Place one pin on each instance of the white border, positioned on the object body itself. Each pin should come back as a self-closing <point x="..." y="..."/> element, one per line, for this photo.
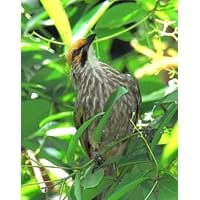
<point x="10" y="100"/>
<point x="189" y="100"/>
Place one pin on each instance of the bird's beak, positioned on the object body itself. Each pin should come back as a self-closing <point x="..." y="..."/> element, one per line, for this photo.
<point x="89" y="41"/>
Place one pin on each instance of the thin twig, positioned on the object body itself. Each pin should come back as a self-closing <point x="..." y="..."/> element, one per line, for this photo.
<point x="53" y="185"/>
<point x="147" y="145"/>
<point x="52" y="40"/>
<point x="46" y="194"/>
<point x="152" y="189"/>
<point x="61" y="190"/>
<point x="133" y="163"/>
<point x="84" y="166"/>
<point x="41" y="145"/>
<point x="117" y="142"/>
<point x="46" y="166"/>
<point x="56" y="180"/>
<point x="37" y="183"/>
<point x="123" y="31"/>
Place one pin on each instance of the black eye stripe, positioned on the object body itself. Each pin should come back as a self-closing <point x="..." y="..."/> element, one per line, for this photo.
<point x="83" y="58"/>
<point x="83" y="55"/>
<point x="76" y="53"/>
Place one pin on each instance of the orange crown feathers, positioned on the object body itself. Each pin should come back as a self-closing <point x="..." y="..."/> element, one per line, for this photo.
<point x="78" y="44"/>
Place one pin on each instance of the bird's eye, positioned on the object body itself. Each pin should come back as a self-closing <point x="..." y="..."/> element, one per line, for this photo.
<point x="76" y="53"/>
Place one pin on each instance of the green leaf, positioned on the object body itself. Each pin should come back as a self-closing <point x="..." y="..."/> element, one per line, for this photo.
<point x="93" y="179"/>
<point x="35" y="21"/>
<point x="33" y="111"/>
<point x="171" y="149"/>
<point x="170" y="15"/>
<point x="168" y="188"/>
<point x="29" y="86"/>
<point x="30" y="191"/>
<point x="87" y="22"/>
<point x="121" y="14"/>
<point x="75" y="139"/>
<point x="154" y="81"/>
<point x="161" y="94"/>
<point x="49" y="78"/>
<point x="113" y="159"/>
<point x="90" y="193"/>
<point x="88" y="170"/>
<point x="54" y="117"/>
<point x="154" y="96"/>
<point x="126" y="188"/>
<point x="104" y="32"/>
<point x="28" y="46"/>
<point x="84" y="19"/>
<point x="77" y="187"/>
<point x="108" y="108"/>
<point x="164" y="122"/>
<point x="172" y="97"/>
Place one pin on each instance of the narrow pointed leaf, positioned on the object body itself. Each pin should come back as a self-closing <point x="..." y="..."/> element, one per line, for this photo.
<point x="87" y="22"/>
<point x="77" y="187"/>
<point x="54" y="117"/>
<point x="75" y="139"/>
<point x="164" y="121"/>
<point x="171" y="149"/>
<point x="126" y="188"/>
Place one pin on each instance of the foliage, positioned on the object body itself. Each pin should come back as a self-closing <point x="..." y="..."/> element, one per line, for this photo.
<point x="136" y="37"/>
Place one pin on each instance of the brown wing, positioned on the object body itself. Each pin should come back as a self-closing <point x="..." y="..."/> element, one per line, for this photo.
<point x="80" y="117"/>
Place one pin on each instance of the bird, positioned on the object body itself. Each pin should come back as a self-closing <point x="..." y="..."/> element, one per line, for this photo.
<point x="94" y="82"/>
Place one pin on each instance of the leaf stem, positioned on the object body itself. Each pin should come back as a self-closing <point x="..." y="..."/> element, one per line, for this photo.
<point x="52" y="40"/>
<point x="117" y="142"/>
<point x="41" y="145"/>
<point x="46" y="166"/>
<point x="56" y="180"/>
<point x="152" y="189"/>
<point x="123" y="31"/>
<point x="147" y="145"/>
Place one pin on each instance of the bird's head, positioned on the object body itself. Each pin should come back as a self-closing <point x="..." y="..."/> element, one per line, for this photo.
<point x="78" y="53"/>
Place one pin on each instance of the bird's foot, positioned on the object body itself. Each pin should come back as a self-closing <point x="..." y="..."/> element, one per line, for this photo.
<point x="98" y="159"/>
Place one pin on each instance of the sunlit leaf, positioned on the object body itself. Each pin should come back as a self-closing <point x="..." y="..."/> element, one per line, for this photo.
<point x="172" y="109"/>
<point x="171" y="149"/>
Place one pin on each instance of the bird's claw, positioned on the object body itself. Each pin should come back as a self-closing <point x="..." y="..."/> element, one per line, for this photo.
<point x="98" y="159"/>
